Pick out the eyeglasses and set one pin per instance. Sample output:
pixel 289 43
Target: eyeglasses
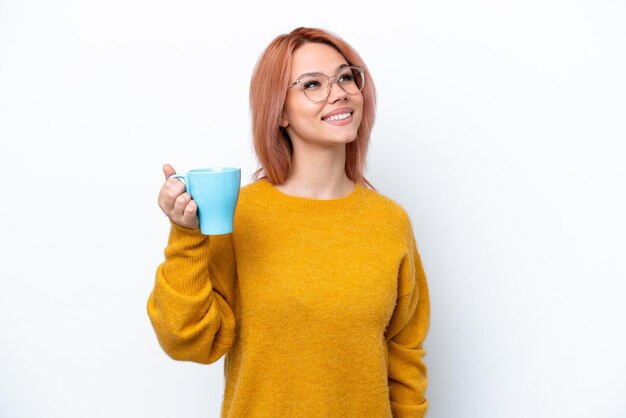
pixel 317 86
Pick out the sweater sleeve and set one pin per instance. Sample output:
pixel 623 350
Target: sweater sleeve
pixel 405 335
pixel 191 304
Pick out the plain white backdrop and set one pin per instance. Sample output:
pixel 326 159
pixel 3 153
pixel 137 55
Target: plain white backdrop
pixel 500 129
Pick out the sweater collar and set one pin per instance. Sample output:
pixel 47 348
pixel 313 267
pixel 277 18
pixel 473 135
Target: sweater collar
pixel 349 201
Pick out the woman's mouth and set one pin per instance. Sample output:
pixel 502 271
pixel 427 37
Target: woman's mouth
pixel 339 119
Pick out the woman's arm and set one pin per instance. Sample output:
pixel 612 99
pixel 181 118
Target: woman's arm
pixel 191 305
pixel 405 335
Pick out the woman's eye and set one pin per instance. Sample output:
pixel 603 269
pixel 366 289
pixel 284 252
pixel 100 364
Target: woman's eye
pixel 310 84
pixel 346 78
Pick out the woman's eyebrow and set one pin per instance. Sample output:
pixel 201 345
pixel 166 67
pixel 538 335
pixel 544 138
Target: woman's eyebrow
pixel 318 73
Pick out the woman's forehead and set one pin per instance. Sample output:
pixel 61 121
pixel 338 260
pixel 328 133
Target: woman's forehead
pixel 316 58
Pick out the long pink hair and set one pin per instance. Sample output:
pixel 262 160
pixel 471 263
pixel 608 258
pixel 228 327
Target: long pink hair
pixel 268 90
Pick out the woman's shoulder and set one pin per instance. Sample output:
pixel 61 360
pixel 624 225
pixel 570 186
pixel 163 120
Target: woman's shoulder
pixel 254 187
pixel 384 202
pixel 387 211
pixel 256 194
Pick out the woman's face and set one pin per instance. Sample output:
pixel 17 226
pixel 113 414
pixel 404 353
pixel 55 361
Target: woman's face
pixel 307 121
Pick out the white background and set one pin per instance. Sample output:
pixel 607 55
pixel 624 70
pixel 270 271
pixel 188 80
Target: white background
pixel 500 128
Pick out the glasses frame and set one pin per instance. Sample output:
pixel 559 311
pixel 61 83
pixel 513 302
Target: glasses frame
pixel 330 82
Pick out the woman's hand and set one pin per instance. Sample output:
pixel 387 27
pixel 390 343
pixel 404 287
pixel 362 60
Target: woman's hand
pixel 176 203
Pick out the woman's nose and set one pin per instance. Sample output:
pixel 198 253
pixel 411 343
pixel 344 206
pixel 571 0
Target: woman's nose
pixel 336 93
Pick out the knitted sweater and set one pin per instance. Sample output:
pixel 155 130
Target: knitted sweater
pixel 320 307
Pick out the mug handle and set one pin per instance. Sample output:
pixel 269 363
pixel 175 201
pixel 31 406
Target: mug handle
pixel 180 177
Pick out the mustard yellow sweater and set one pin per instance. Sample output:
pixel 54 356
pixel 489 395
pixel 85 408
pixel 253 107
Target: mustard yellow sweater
pixel 320 307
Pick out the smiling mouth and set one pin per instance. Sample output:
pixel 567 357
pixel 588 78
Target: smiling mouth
pixel 340 116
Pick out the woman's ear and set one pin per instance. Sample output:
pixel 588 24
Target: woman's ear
pixel 283 121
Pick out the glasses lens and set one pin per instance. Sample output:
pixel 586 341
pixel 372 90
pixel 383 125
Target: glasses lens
pixel 315 87
pixel 351 80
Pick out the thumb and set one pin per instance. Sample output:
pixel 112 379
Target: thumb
pixel 168 170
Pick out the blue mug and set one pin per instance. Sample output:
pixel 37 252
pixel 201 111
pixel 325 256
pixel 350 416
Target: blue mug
pixel 215 190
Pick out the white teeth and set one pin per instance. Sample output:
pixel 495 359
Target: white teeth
pixel 338 117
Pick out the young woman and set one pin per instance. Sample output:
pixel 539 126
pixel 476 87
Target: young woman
pixel 318 299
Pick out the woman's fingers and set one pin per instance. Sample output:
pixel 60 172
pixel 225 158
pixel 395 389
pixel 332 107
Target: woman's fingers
pixel 175 202
pixel 189 215
pixel 168 170
pixel 184 211
pixel 170 191
pixel 180 203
